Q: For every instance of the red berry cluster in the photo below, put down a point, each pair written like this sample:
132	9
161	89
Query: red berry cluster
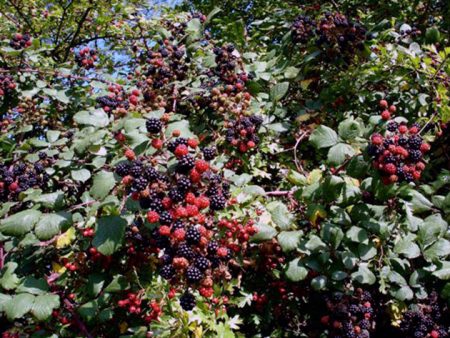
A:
86	58
7	84
116	101
9	334
348	315
20	41
132	303
387	110
237	234
399	154
242	133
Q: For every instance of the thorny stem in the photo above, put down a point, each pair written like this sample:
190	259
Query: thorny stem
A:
77	319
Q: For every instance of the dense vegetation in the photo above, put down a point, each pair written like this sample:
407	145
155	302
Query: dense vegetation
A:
224	169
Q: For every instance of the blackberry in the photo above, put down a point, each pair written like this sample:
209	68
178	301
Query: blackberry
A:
212	247
42	155
403	141
166	258
193	274
408	177
150	173
139	184
136	169
354	309
176	195
392	126
186	163
165	218
373	150
209	153
415	142
153	125
178	225
202	263
256	120
185	251
192	235
184	184
217	202
39	168
172	145
390	159
167	272
187	301
364	324
415	155
213	190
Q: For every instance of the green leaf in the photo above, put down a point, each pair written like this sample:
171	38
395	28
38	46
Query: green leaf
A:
19	305
323	137
95	284
44	305
404	293
33	286
319	283
364	275
103	183
407	247
118	284
291	72
264	232
19	224
443	271
182	126
3	300
349	129
280	215
439	249
278	91
109	234
81	175
296	271
50	225
51	200
9	280
357	235
315	244
96	118
289	240
339	153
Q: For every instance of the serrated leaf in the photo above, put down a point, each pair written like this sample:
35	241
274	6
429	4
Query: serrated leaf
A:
280	215
50	225
109	234
81	175
289	240
21	223
103	183
264	232
33	286
339	153
323	137
19	305
66	238
296	271
278	91
96	118
9	279
44	305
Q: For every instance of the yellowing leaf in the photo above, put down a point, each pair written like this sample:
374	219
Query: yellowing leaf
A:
198	332
66	238
58	268
317	214
395	311
123	327
314	176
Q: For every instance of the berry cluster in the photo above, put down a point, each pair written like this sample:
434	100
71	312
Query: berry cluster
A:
428	319
7	84
349	316
20	176
399	154
116	101
86	58
132	303
334	32
242	133
303	29
20	41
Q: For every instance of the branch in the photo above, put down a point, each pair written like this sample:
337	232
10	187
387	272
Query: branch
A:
63	16
77	32
77	319
279	193
24	17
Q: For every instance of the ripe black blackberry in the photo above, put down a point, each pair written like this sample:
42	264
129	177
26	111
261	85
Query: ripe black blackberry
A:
136	169
165	218
176	195
123	169
150	173
153	125
184	183
212	247
415	155
202	263
217	202
185	163
167	272
139	184
209	153
187	301
185	251
392	126
302	29
192	235
415	142
178	225
193	274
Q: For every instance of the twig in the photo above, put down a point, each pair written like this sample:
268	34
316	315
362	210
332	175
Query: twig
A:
297	163
428	122
77	32
279	193
77	319
81	205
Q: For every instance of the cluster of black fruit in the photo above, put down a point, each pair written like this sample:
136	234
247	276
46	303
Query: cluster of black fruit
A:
7	84
21	176
303	29
348	316
242	133
165	65
398	155
86	58
226	63
20	41
333	31
427	319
